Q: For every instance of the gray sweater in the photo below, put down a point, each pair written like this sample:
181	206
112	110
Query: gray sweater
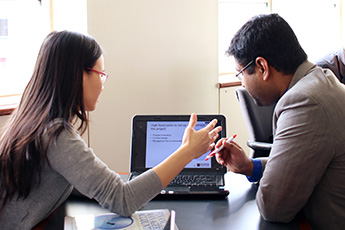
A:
74	164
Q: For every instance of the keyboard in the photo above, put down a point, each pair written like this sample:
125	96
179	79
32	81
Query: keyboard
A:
192	180
153	220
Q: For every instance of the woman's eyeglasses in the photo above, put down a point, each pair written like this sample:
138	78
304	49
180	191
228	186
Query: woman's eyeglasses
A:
104	76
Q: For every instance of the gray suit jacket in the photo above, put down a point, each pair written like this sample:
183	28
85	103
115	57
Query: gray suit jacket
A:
306	167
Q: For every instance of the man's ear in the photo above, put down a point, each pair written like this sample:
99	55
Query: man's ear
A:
263	66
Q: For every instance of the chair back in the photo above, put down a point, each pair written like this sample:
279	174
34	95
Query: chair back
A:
258	120
334	61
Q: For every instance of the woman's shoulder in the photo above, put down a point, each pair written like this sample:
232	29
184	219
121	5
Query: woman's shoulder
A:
60	132
64	138
60	124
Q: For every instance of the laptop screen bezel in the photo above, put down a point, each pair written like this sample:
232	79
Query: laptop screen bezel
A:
138	142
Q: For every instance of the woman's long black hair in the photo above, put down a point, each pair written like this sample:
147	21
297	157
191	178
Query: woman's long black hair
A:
55	90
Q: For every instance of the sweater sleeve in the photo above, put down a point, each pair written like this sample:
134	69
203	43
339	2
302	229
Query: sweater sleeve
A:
71	157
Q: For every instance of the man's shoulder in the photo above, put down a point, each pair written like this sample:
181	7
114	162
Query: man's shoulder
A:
317	85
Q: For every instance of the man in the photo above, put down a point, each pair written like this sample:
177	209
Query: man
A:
305	171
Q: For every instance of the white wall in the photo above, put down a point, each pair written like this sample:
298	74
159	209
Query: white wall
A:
161	57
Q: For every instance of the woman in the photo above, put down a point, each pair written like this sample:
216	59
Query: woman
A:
42	156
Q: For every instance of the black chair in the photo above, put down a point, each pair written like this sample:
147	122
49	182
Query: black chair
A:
334	61
258	120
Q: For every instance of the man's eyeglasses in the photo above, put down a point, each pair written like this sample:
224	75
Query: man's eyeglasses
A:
104	76
243	69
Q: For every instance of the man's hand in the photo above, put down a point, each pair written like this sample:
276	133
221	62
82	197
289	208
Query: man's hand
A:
234	158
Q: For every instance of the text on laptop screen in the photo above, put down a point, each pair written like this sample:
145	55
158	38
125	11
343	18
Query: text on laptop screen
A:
165	137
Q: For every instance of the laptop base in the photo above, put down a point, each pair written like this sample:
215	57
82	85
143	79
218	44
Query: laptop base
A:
219	196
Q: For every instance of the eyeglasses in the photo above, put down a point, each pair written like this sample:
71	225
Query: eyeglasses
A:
243	69
104	76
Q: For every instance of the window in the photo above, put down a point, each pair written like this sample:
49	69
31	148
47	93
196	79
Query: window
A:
231	16
23	26
316	23
3	28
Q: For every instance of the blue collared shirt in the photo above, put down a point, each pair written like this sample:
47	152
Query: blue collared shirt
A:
256	170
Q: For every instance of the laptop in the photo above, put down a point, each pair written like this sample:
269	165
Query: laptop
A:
155	137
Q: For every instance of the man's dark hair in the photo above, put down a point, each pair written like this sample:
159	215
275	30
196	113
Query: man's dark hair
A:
268	36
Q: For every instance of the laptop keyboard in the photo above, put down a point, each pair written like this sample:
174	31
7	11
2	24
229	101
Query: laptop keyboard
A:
195	180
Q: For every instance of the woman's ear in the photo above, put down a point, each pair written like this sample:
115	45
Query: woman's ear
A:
263	66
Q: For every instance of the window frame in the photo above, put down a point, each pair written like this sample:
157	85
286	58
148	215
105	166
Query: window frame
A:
9	102
59	16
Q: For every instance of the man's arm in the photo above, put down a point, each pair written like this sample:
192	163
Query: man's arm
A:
297	160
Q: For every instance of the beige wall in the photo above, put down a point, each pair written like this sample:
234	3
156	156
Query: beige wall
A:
161	57
235	121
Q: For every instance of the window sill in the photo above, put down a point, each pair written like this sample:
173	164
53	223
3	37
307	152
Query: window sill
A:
8	104
229	84
228	80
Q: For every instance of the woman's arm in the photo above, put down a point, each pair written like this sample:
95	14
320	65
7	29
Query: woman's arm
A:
194	144
76	163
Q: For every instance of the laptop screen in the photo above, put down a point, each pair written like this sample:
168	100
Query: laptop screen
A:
155	137
165	137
